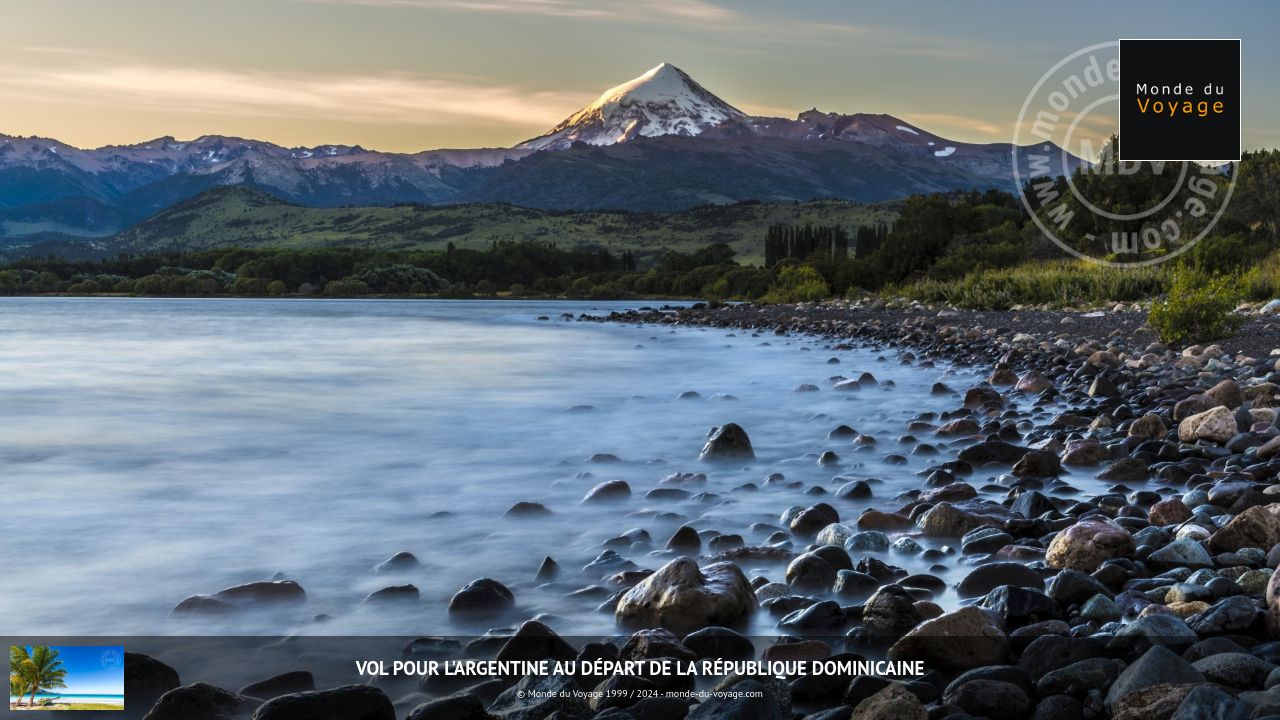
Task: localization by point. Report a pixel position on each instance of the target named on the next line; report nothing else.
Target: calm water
(155, 449)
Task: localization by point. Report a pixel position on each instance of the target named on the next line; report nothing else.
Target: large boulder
(894, 702)
(146, 679)
(1085, 545)
(1256, 527)
(1157, 666)
(891, 611)
(350, 702)
(484, 596)
(682, 597)
(1215, 425)
(958, 640)
(536, 697)
(249, 595)
(197, 702)
(727, 442)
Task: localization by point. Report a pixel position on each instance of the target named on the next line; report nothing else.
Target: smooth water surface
(156, 449)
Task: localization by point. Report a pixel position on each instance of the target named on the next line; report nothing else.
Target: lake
(154, 449)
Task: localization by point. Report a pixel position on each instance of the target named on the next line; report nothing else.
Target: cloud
(934, 121)
(385, 98)
(621, 10)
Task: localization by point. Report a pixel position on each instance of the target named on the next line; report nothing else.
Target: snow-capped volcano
(663, 101)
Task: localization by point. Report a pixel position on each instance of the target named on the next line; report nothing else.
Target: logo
(1082, 196)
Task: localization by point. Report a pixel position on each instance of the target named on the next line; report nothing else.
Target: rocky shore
(1149, 595)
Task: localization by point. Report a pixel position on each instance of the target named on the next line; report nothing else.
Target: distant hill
(658, 143)
(245, 217)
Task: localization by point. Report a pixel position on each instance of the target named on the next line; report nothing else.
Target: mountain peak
(662, 101)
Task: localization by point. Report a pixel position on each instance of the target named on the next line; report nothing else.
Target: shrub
(798, 283)
(346, 287)
(1197, 308)
(398, 277)
(277, 288)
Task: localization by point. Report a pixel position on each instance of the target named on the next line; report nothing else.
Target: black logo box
(1187, 64)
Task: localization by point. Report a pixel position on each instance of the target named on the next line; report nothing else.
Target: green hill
(248, 218)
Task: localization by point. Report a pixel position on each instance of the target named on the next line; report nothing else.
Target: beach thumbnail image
(66, 677)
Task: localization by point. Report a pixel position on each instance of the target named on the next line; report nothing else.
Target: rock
(1059, 707)
(540, 696)
(854, 585)
(894, 702)
(1207, 702)
(1080, 677)
(255, 594)
(810, 573)
(1033, 383)
(890, 612)
(400, 562)
(867, 541)
(282, 684)
(527, 509)
(727, 442)
(1100, 609)
(146, 679)
(1234, 669)
(960, 426)
(1157, 702)
(682, 597)
(985, 578)
(685, 539)
(995, 699)
(719, 643)
(1217, 425)
(394, 593)
(1169, 512)
(548, 570)
(1072, 587)
(1156, 629)
(457, 707)
(946, 520)
(825, 615)
(535, 641)
(1157, 666)
(1256, 527)
(1148, 427)
(958, 640)
(1031, 503)
(834, 534)
(197, 702)
(1038, 463)
(812, 519)
(1181, 553)
(749, 698)
(979, 395)
(1226, 393)
(1103, 387)
(1019, 606)
(1230, 614)
(1085, 545)
(878, 520)
(1085, 452)
(1047, 653)
(992, 451)
(608, 491)
(351, 702)
(484, 596)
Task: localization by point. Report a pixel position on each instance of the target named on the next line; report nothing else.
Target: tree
(39, 669)
(1257, 194)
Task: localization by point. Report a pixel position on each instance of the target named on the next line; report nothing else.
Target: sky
(87, 674)
(410, 75)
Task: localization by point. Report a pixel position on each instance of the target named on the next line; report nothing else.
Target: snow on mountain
(663, 101)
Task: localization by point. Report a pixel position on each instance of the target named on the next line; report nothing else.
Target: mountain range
(658, 143)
